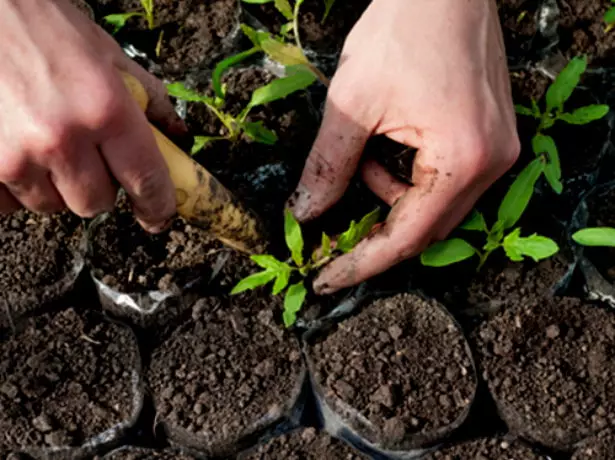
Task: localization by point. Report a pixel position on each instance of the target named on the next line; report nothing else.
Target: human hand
(68, 124)
(430, 74)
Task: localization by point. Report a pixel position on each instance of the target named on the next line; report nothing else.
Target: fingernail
(158, 227)
(321, 287)
(299, 202)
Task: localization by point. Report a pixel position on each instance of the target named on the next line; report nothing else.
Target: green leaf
(519, 194)
(148, 6)
(325, 245)
(328, 5)
(609, 16)
(255, 36)
(475, 222)
(597, 236)
(253, 281)
(366, 224)
(200, 142)
(447, 252)
(585, 115)
(284, 53)
(119, 20)
(542, 144)
(494, 237)
(535, 109)
(300, 78)
(258, 132)
(565, 83)
(534, 246)
(224, 65)
(292, 303)
(522, 110)
(178, 90)
(281, 281)
(356, 232)
(294, 237)
(269, 262)
(286, 29)
(283, 6)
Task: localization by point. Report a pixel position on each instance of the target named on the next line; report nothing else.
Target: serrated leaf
(285, 53)
(283, 6)
(178, 90)
(258, 132)
(519, 194)
(585, 115)
(565, 83)
(200, 142)
(281, 281)
(325, 245)
(609, 16)
(447, 252)
(596, 236)
(294, 237)
(328, 5)
(253, 281)
(474, 222)
(535, 246)
(223, 66)
(299, 79)
(293, 301)
(522, 110)
(542, 144)
(119, 20)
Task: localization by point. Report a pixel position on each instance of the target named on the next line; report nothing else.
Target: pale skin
(430, 74)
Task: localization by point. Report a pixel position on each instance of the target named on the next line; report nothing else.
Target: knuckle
(14, 169)
(93, 205)
(103, 108)
(151, 194)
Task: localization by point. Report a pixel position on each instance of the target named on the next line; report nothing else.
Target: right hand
(69, 130)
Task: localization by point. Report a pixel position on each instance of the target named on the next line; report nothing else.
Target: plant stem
(296, 25)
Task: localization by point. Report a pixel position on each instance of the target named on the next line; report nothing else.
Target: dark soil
(65, 378)
(306, 444)
(128, 259)
(550, 367)
(599, 447)
(518, 26)
(135, 453)
(216, 378)
(194, 32)
(485, 449)
(402, 363)
(37, 259)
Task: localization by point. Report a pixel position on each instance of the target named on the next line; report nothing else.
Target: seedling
(609, 18)
(297, 78)
(558, 93)
(119, 20)
(280, 273)
(596, 236)
(281, 48)
(511, 209)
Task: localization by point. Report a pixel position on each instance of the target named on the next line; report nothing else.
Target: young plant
(119, 20)
(609, 17)
(285, 48)
(596, 236)
(515, 246)
(280, 273)
(558, 93)
(297, 78)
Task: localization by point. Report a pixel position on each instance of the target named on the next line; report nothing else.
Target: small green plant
(280, 273)
(119, 20)
(511, 209)
(297, 78)
(558, 93)
(609, 17)
(595, 236)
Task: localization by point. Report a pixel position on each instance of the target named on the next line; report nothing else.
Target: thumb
(331, 164)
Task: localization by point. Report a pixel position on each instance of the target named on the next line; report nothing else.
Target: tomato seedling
(280, 272)
(595, 236)
(119, 20)
(557, 94)
(511, 209)
(297, 78)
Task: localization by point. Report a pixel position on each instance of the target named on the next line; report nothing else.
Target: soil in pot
(305, 444)
(136, 453)
(402, 364)
(599, 447)
(549, 364)
(517, 18)
(37, 259)
(194, 33)
(486, 449)
(229, 373)
(65, 378)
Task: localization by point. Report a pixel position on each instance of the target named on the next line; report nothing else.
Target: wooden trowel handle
(201, 199)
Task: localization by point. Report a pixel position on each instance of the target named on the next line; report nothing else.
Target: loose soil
(599, 447)
(402, 364)
(486, 449)
(306, 444)
(65, 378)
(135, 453)
(37, 259)
(550, 368)
(228, 372)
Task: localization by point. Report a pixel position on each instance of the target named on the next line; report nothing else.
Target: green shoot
(297, 78)
(558, 93)
(609, 18)
(118, 21)
(515, 246)
(280, 273)
(328, 5)
(596, 236)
